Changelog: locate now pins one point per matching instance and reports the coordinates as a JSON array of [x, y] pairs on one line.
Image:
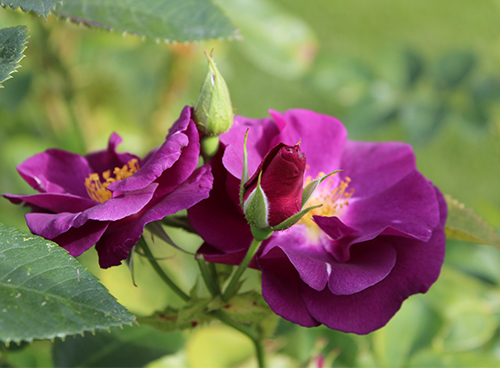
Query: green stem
[[259, 349], [147, 252], [212, 286], [228, 293]]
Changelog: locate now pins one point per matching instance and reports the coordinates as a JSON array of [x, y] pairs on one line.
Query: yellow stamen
[[97, 189], [333, 197]]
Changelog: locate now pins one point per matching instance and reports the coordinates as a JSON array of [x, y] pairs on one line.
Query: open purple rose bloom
[[377, 238], [106, 198]]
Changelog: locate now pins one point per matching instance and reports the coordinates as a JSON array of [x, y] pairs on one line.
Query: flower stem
[[212, 286], [259, 349], [231, 288], [142, 243]]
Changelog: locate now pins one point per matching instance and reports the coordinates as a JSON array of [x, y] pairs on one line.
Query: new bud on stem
[[213, 112]]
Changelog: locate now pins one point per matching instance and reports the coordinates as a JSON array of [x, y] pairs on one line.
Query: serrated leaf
[[40, 7], [464, 224], [12, 45], [45, 293], [130, 347], [165, 20]]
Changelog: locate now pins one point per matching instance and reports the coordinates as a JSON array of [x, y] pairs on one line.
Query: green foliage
[[464, 224], [161, 20], [39, 7], [12, 45], [130, 347], [45, 293]]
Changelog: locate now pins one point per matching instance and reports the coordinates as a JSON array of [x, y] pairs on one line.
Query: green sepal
[[312, 186], [213, 112], [261, 233], [256, 207], [244, 174], [289, 222]]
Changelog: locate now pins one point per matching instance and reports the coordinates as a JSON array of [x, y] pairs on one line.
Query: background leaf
[[45, 293], [130, 347], [464, 224], [162, 20], [40, 7], [12, 45]]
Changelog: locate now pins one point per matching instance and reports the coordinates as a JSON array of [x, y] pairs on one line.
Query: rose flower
[[377, 238], [106, 198]]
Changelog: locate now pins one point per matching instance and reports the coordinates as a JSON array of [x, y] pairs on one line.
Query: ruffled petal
[[108, 159], [56, 171], [53, 202], [116, 243], [321, 137], [281, 289]]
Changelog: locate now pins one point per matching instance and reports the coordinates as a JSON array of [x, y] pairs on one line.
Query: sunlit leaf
[[464, 224], [161, 20], [45, 293], [40, 7], [130, 347], [12, 45]]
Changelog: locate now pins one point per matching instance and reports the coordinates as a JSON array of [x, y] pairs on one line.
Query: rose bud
[[274, 193], [213, 112]]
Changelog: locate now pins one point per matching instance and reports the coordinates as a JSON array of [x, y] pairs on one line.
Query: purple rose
[[282, 177], [106, 198], [377, 239]]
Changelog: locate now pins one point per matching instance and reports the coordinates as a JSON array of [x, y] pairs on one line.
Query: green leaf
[[453, 69], [12, 45], [161, 20], [276, 42], [45, 293], [464, 224], [40, 7], [249, 307], [130, 347]]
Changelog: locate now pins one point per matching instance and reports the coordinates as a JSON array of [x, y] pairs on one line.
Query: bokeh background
[[425, 72]]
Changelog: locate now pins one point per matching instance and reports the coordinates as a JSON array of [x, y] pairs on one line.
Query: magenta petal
[[217, 219], [407, 208], [281, 289], [50, 225], [258, 144], [115, 245], [108, 159], [53, 202], [369, 263], [374, 167], [78, 240], [56, 171], [119, 207], [417, 267], [321, 137]]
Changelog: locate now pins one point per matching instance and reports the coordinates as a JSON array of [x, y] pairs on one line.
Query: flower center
[[96, 188], [334, 198]]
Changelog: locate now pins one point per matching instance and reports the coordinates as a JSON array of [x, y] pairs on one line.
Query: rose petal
[[53, 202], [315, 132], [56, 171], [108, 159], [116, 243]]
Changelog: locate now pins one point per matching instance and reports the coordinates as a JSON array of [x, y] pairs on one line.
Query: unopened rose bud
[[213, 112], [274, 193]]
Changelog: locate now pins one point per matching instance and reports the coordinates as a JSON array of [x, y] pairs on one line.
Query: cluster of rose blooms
[[369, 235]]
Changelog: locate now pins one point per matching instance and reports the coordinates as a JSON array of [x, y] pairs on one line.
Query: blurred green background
[[423, 72]]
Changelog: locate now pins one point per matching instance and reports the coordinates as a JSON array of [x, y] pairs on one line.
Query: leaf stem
[[231, 288], [259, 349], [143, 244], [212, 286]]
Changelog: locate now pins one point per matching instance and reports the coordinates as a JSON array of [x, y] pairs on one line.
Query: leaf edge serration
[[21, 54]]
